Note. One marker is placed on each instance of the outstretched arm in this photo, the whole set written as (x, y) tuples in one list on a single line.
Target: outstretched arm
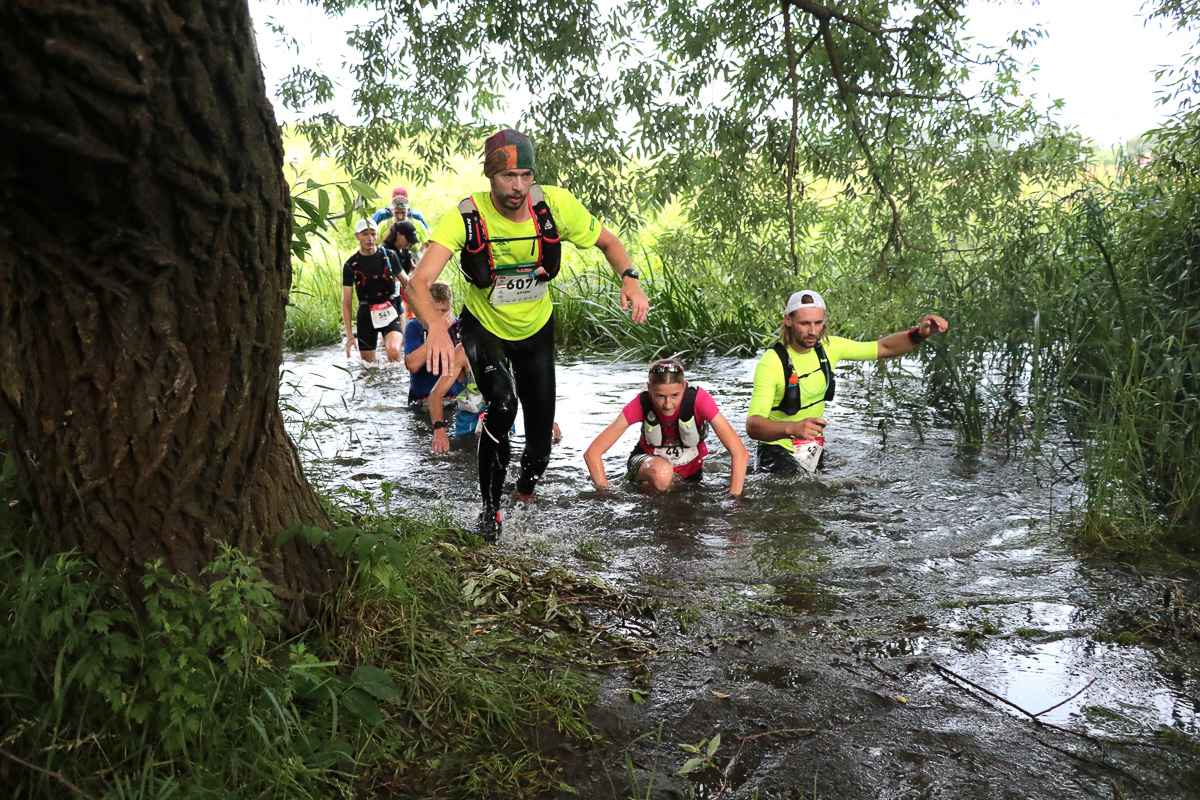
[(737, 453), (904, 342), (594, 455), (632, 296)]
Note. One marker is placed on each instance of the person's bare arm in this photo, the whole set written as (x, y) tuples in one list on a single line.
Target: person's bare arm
[(898, 344), (594, 455), (347, 306), (441, 439), (439, 349), (738, 455), (632, 296), (762, 429)]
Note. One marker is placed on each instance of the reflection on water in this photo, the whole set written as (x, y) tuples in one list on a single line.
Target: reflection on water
[(900, 526)]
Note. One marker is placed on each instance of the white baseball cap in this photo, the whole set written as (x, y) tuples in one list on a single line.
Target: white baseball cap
[(363, 224), (804, 299)]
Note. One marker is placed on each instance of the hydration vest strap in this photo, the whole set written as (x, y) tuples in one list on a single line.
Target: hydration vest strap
[(652, 425), (791, 391), (477, 263), (549, 242)]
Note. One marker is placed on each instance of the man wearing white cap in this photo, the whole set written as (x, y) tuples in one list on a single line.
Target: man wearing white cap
[(794, 379), (372, 273)]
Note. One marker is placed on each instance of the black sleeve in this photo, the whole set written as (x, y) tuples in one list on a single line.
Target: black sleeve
[(348, 272)]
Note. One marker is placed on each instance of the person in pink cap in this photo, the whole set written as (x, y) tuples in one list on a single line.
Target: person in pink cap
[(794, 380), (400, 209)]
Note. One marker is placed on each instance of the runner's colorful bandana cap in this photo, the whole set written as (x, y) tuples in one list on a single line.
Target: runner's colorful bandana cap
[(804, 299), (507, 149)]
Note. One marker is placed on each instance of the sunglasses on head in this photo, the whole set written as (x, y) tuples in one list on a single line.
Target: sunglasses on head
[(668, 367)]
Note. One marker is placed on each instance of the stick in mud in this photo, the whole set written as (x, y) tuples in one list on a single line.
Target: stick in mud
[(952, 674)]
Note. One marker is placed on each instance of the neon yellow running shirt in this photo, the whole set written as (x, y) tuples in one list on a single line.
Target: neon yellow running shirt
[(517, 320), (770, 382)]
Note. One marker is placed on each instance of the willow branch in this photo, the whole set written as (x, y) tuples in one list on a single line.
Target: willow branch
[(947, 10), (839, 77), (826, 13)]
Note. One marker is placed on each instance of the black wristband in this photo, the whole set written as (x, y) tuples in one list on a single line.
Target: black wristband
[(915, 336), (437, 426)]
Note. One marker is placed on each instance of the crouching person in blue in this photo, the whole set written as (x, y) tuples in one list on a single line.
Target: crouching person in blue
[(675, 419), (372, 273), (420, 380), (794, 379)]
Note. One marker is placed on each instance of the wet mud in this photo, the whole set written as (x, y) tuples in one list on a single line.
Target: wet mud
[(913, 623)]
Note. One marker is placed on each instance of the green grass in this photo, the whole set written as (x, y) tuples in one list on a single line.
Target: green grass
[(436, 671), (314, 316)]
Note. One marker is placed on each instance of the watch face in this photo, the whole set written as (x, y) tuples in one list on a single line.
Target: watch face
[(630, 273)]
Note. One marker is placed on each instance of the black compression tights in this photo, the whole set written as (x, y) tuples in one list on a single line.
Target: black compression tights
[(532, 382)]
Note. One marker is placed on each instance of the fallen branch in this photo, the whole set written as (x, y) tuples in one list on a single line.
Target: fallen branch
[(58, 776), (952, 674), (1069, 699)]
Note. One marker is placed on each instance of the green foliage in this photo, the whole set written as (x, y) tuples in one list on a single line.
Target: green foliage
[(1136, 373), (737, 109), (178, 694), (431, 673), (696, 308), (314, 316)]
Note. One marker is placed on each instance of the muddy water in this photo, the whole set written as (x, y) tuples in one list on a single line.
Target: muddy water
[(835, 620)]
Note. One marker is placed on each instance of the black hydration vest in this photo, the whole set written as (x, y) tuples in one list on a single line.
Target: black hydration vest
[(690, 435), (476, 260), (374, 288), (791, 391)]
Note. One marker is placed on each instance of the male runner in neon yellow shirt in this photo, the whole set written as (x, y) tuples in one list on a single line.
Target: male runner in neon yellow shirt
[(788, 424), (508, 240)]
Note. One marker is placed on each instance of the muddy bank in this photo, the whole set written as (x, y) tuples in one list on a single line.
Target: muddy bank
[(837, 695)]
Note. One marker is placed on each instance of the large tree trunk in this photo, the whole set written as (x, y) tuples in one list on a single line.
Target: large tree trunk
[(144, 272)]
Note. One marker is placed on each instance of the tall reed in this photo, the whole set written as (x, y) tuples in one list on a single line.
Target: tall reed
[(696, 309), (1137, 377), (314, 315)]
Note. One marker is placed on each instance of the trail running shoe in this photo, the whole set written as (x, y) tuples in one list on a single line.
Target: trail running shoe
[(487, 527)]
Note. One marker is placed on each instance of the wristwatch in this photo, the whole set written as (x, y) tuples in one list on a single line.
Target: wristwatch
[(630, 273), (437, 426)]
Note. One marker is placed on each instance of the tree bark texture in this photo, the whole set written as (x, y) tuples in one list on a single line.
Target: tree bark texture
[(144, 273)]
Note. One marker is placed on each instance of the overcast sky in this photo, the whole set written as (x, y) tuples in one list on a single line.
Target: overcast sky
[(1099, 56)]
